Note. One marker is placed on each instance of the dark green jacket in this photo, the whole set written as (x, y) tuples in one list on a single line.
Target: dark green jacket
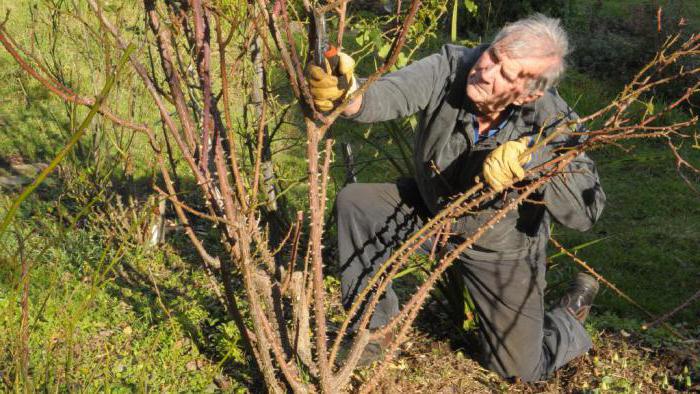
[(447, 159)]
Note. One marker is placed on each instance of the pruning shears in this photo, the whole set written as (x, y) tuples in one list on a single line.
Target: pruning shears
[(323, 51)]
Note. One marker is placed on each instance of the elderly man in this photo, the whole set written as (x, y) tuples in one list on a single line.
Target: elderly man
[(479, 109)]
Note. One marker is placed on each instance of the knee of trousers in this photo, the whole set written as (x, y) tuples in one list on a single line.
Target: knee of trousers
[(516, 353), (524, 367), (348, 198)]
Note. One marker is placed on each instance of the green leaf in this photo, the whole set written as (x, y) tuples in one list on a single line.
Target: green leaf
[(579, 247), (376, 37), (383, 51), (360, 39), (649, 107), (471, 6), (402, 60)]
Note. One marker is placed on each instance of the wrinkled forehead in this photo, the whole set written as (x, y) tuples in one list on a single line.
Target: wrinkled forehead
[(523, 66)]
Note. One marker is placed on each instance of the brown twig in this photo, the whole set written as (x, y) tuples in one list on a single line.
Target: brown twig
[(295, 250), (203, 57), (672, 312), (610, 285), (232, 151), (165, 49), (683, 163), (341, 10)]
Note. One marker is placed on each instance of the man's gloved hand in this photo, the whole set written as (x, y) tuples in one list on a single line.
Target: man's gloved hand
[(332, 84), (503, 166)]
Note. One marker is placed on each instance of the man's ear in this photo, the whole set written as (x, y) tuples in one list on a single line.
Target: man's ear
[(529, 97)]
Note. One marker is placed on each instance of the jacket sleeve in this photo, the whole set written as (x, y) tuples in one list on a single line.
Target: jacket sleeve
[(575, 197), (406, 91)]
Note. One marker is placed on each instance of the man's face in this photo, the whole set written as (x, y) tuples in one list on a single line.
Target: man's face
[(496, 81)]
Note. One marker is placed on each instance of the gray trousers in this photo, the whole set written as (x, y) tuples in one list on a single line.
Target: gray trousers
[(519, 339)]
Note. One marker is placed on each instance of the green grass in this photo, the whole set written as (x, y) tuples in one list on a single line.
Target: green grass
[(147, 323)]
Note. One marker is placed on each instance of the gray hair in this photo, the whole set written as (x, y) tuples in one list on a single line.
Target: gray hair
[(536, 36)]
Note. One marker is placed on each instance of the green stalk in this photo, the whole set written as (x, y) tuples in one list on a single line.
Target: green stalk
[(69, 146), (453, 30)]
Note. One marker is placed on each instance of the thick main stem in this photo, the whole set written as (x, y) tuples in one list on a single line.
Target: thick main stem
[(316, 235)]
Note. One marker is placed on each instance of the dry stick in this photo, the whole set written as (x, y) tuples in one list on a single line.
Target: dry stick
[(359, 344), (233, 156), (343, 376), (38, 62), (165, 50), (400, 258), (276, 314), (333, 5), (61, 90), (455, 210), (386, 281), (675, 310), (258, 157), (281, 46), (295, 251), (284, 240), (189, 209), (203, 57), (648, 120), (602, 279), (238, 235), (316, 234), (306, 93), (431, 226), (680, 163), (627, 130), (256, 314), (342, 9)]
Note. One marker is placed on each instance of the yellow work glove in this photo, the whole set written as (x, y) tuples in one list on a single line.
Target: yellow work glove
[(332, 85), (502, 166)]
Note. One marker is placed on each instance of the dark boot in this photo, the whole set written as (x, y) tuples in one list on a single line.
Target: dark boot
[(579, 298)]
